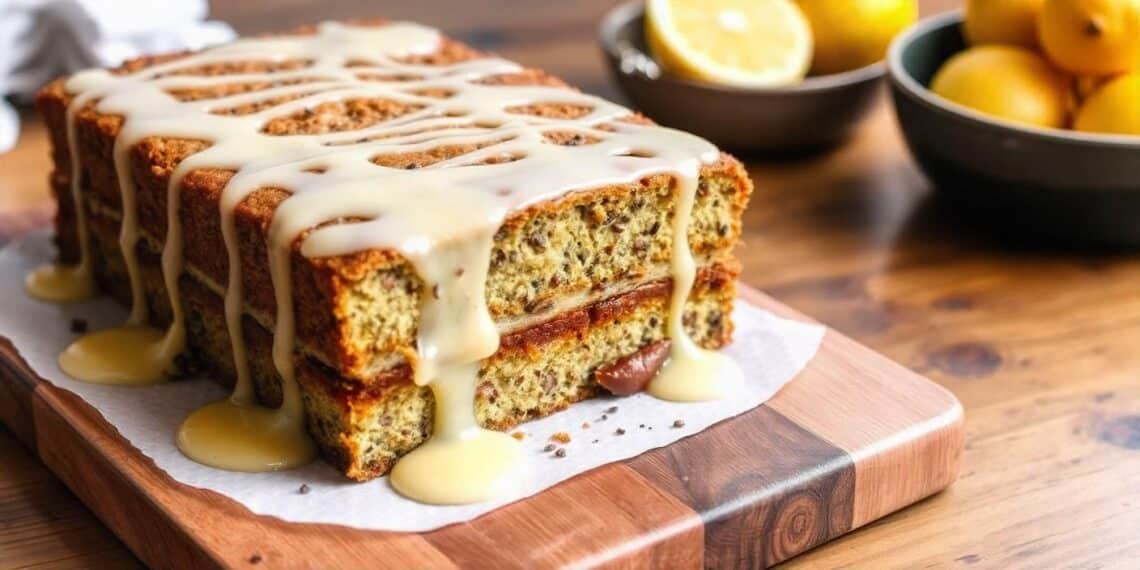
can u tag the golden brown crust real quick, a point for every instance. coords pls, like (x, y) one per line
(346, 417)
(362, 408)
(321, 285)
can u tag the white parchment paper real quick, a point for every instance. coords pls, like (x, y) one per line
(771, 350)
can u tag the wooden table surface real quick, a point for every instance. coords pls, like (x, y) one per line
(1040, 343)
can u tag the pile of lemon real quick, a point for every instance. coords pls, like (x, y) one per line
(1050, 63)
(771, 43)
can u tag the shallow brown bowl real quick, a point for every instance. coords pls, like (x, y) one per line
(818, 113)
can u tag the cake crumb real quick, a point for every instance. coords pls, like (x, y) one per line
(561, 452)
(255, 559)
(585, 425)
(304, 489)
(678, 423)
(78, 326)
(518, 435)
(549, 447)
(611, 410)
(561, 437)
(620, 431)
(604, 418)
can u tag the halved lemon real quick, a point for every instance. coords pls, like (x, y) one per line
(746, 43)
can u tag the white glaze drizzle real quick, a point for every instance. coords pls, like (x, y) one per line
(442, 217)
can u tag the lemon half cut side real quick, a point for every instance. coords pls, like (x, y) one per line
(744, 43)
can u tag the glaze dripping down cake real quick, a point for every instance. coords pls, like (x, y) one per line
(374, 168)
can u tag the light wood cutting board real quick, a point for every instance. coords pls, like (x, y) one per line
(854, 438)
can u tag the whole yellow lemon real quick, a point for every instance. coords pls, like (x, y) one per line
(1097, 37)
(1012, 22)
(850, 34)
(1008, 82)
(1114, 108)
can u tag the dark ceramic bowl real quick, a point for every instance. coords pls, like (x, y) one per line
(1076, 187)
(818, 113)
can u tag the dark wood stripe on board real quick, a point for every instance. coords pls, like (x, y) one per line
(748, 492)
(766, 488)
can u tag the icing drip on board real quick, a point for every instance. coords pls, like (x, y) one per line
(442, 218)
(69, 283)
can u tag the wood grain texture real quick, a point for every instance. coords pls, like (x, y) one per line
(16, 395)
(881, 487)
(1038, 341)
(751, 491)
(766, 488)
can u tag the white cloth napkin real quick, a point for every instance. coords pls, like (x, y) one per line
(43, 39)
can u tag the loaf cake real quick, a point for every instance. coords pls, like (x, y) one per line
(578, 280)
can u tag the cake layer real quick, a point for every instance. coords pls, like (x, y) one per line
(358, 313)
(363, 429)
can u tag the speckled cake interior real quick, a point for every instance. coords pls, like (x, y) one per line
(574, 284)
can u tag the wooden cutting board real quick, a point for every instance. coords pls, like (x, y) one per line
(854, 438)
